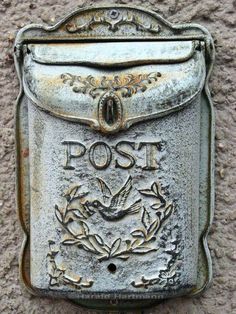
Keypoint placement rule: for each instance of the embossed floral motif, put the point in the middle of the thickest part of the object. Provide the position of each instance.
(58, 275)
(113, 24)
(127, 85)
(140, 241)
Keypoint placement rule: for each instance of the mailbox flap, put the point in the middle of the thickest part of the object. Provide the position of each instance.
(76, 81)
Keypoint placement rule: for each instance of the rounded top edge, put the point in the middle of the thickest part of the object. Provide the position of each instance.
(122, 22)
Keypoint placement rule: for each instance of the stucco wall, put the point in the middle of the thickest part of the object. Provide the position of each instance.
(219, 17)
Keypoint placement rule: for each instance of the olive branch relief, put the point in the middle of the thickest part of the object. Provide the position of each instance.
(58, 275)
(169, 275)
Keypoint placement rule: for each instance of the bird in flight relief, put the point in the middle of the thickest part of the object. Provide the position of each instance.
(113, 205)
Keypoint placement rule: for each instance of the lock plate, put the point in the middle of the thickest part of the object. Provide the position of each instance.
(114, 157)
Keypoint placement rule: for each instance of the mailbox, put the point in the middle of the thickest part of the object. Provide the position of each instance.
(115, 128)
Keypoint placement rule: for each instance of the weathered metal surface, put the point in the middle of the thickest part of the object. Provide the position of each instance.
(117, 179)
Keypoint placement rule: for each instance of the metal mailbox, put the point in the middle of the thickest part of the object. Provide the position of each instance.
(115, 130)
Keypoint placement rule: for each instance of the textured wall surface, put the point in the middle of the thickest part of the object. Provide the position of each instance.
(219, 17)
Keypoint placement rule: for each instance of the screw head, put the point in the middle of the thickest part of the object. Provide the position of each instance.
(114, 14)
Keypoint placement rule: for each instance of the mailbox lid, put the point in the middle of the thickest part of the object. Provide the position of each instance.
(69, 80)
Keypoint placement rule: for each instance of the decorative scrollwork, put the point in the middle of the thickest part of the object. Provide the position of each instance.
(112, 208)
(112, 24)
(58, 274)
(127, 85)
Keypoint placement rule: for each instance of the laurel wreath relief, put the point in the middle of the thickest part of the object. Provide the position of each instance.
(141, 240)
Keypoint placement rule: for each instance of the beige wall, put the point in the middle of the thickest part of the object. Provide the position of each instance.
(219, 17)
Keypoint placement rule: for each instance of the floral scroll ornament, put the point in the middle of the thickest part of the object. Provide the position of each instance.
(114, 21)
(127, 85)
(140, 241)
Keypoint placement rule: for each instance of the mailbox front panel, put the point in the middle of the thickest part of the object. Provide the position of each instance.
(115, 197)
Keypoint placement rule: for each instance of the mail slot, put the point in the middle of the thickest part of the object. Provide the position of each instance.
(115, 128)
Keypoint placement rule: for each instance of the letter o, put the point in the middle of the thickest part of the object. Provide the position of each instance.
(108, 156)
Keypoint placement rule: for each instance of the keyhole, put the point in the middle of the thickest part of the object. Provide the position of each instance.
(110, 111)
